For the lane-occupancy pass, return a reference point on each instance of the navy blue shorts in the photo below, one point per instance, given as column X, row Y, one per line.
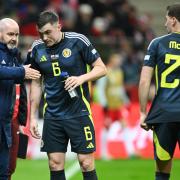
column 165, row 137
column 57, row 133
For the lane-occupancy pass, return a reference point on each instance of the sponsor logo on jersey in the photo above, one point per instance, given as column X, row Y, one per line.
column 90, row 145
column 43, row 58
column 66, row 53
column 174, row 45
column 54, row 56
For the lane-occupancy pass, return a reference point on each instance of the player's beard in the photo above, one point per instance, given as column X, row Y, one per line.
column 12, row 45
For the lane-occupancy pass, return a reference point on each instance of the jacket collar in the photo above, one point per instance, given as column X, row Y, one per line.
column 11, row 51
column 3, row 46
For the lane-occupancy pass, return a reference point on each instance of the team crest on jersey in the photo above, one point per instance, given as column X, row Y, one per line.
column 66, row 53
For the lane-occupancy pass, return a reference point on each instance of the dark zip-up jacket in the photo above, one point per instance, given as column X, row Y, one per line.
column 9, row 75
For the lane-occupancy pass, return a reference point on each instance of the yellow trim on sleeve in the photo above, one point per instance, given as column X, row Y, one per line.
column 156, row 77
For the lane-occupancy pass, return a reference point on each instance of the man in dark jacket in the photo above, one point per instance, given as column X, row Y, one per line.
column 9, row 75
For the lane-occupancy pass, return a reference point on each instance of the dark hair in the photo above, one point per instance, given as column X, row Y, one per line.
column 174, row 11
column 47, row 17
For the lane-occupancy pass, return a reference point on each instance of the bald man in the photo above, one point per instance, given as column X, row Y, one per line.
column 10, row 74
column 9, row 30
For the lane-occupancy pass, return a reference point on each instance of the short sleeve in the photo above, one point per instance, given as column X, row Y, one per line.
column 150, row 57
column 32, row 60
column 31, row 56
column 89, row 53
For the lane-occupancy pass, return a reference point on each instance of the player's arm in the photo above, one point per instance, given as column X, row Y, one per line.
column 144, row 87
column 35, row 97
column 18, row 73
column 98, row 70
column 11, row 73
column 149, row 65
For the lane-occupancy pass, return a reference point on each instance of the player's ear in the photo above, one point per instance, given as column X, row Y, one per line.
column 37, row 29
column 59, row 26
column 174, row 21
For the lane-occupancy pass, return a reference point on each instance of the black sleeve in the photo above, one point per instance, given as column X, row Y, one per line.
column 28, row 59
column 89, row 53
column 31, row 59
column 23, row 109
column 150, row 57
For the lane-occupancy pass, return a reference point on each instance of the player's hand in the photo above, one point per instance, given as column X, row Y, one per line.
column 21, row 130
column 73, row 81
column 34, row 129
column 31, row 73
column 142, row 122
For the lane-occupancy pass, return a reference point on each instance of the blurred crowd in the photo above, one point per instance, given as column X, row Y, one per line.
column 117, row 30
column 114, row 26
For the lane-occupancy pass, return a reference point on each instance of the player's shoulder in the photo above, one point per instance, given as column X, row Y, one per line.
column 77, row 37
column 158, row 40
column 37, row 44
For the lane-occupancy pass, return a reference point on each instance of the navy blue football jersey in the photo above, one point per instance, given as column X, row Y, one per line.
column 72, row 54
column 164, row 56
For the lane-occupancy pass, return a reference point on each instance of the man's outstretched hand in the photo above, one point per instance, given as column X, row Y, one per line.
column 31, row 73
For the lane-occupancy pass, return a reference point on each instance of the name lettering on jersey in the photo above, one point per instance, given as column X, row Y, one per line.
column 174, row 45
column 43, row 58
column 66, row 53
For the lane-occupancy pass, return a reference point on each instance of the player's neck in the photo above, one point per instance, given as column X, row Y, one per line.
column 60, row 37
column 177, row 28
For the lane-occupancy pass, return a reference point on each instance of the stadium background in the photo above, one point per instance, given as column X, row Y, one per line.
column 123, row 27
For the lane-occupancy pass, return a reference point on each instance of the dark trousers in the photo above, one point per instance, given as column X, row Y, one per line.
column 13, row 149
column 4, row 158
